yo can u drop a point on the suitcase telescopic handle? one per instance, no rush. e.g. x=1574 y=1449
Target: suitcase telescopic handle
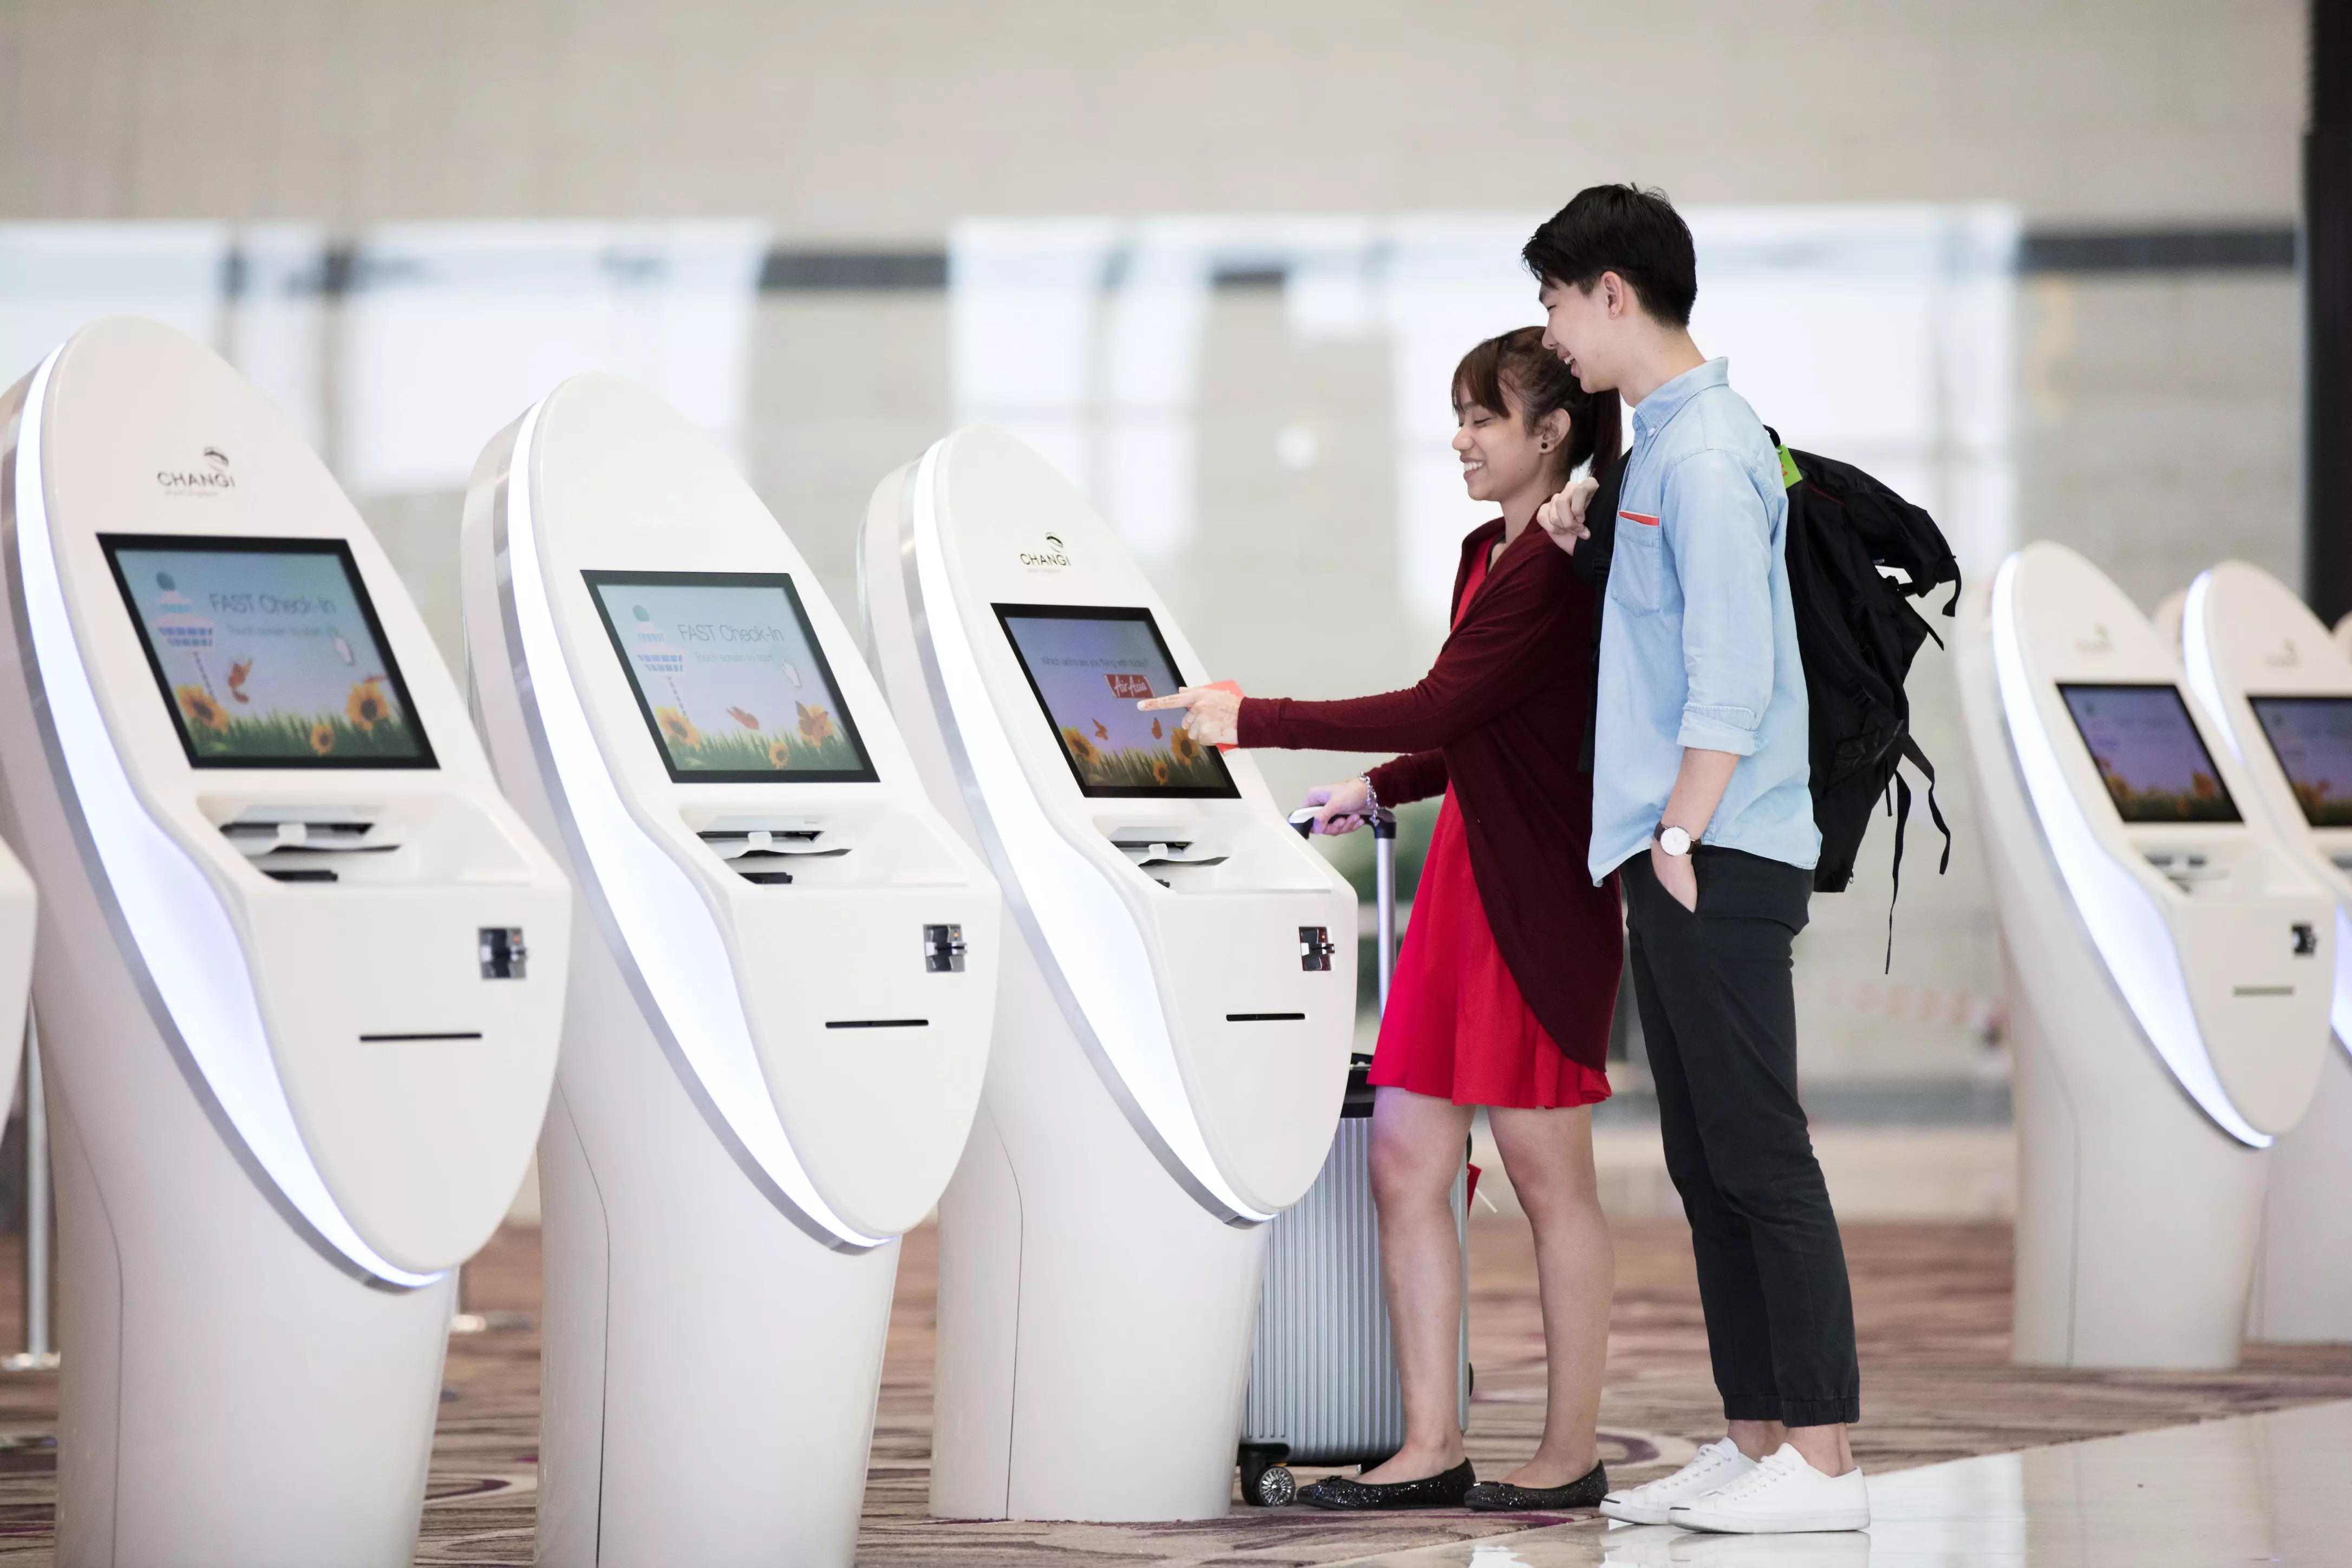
x=1384 y=832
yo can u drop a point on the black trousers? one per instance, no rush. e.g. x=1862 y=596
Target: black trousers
x=1719 y=1015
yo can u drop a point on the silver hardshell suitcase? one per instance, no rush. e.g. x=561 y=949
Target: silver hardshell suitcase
x=1323 y=1376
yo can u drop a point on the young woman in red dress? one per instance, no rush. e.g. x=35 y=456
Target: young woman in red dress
x=1504 y=988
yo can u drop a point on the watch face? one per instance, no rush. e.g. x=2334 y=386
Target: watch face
x=1675 y=841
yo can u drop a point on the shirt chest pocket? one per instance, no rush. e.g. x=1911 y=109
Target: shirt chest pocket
x=1641 y=572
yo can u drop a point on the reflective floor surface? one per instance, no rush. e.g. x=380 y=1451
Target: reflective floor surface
x=2258 y=1488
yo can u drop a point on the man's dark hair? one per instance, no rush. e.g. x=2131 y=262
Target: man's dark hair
x=1625 y=230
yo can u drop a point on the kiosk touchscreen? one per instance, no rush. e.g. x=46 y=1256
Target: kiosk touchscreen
x=301 y=970
x=2170 y=967
x=2279 y=688
x=770 y=1070
x=1171 y=1043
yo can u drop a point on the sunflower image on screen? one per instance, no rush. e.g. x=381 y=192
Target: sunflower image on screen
x=728 y=677
x=2149 y=756
x=1089 y=667
x=2313 y=739
x=267 y=652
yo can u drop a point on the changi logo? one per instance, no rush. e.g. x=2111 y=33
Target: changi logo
x=211 y=475
x=2285 y=655
x=2100 y=641
x=1055 y=553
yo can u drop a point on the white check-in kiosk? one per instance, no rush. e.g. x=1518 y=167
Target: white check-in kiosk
x=2169 y=962
x=2280 y=690
x=302 y=968
x=1171 y=1040
x=769 y=1073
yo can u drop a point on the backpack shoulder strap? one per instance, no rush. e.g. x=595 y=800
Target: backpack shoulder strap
x=1902 y=807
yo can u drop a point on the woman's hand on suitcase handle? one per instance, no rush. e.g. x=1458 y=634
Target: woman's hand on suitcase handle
x=1212 y=714
x=1339 y=807
x=1562 y=517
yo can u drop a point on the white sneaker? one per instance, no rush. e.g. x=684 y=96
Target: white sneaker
x=1716 y=1464
x=1782 y=1495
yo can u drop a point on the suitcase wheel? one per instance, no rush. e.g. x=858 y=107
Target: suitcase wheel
x=1266 y=1482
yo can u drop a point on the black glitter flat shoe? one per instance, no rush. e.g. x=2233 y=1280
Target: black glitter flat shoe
x=1339 y=1492
x=1502 y=1497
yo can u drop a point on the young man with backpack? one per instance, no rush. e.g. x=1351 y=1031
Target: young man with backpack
x=1701 y=799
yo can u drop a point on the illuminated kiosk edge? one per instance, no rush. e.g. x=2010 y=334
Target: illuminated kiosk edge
x=20 y=914
x=2168 y=967
x=2279 y=688
x=304 y=967
x=1171 y=1049
x=772 y=1071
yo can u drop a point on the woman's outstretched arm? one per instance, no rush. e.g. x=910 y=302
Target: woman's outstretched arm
x=1492 y=663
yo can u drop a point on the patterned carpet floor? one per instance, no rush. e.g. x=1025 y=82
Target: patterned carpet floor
x=1932 y=1301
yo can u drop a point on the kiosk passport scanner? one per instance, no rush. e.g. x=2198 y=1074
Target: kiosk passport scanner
x=1171 y=1042
x=302 y=972
x=2171 y=968
x=770 y=1072
x=2279 y=688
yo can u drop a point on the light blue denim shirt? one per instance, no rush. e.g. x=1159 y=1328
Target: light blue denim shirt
x=1698 y=643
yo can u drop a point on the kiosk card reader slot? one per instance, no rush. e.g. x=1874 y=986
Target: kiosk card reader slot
x=270 y=844
x=2170 y=962
x=1169 y=1066
x=2279 y=688
x=768 y=1075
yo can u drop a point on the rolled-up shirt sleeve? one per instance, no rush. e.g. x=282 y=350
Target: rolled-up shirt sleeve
x=1716 y=527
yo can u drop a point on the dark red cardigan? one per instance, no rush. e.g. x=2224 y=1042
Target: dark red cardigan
x=1501 y=715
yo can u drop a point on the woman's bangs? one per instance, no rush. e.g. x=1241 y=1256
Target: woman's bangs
x=1479 y=379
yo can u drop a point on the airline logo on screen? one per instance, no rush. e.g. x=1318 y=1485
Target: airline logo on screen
x=1050 y=555
x=1138 y=687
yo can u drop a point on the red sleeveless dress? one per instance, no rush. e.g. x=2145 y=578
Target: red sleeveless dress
x=1456 y=1028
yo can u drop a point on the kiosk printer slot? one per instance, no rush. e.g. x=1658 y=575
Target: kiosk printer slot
x=2279 y=688
x=301 y=976
x=1171 y=1041
x=2170 y=967
x=770 y=1073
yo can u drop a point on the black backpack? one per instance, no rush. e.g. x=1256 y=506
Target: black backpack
x=1857 y=633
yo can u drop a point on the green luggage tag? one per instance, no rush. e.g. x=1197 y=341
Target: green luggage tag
x=1789 y=477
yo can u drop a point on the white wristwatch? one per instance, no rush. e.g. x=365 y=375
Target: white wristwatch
x=1674 y=841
